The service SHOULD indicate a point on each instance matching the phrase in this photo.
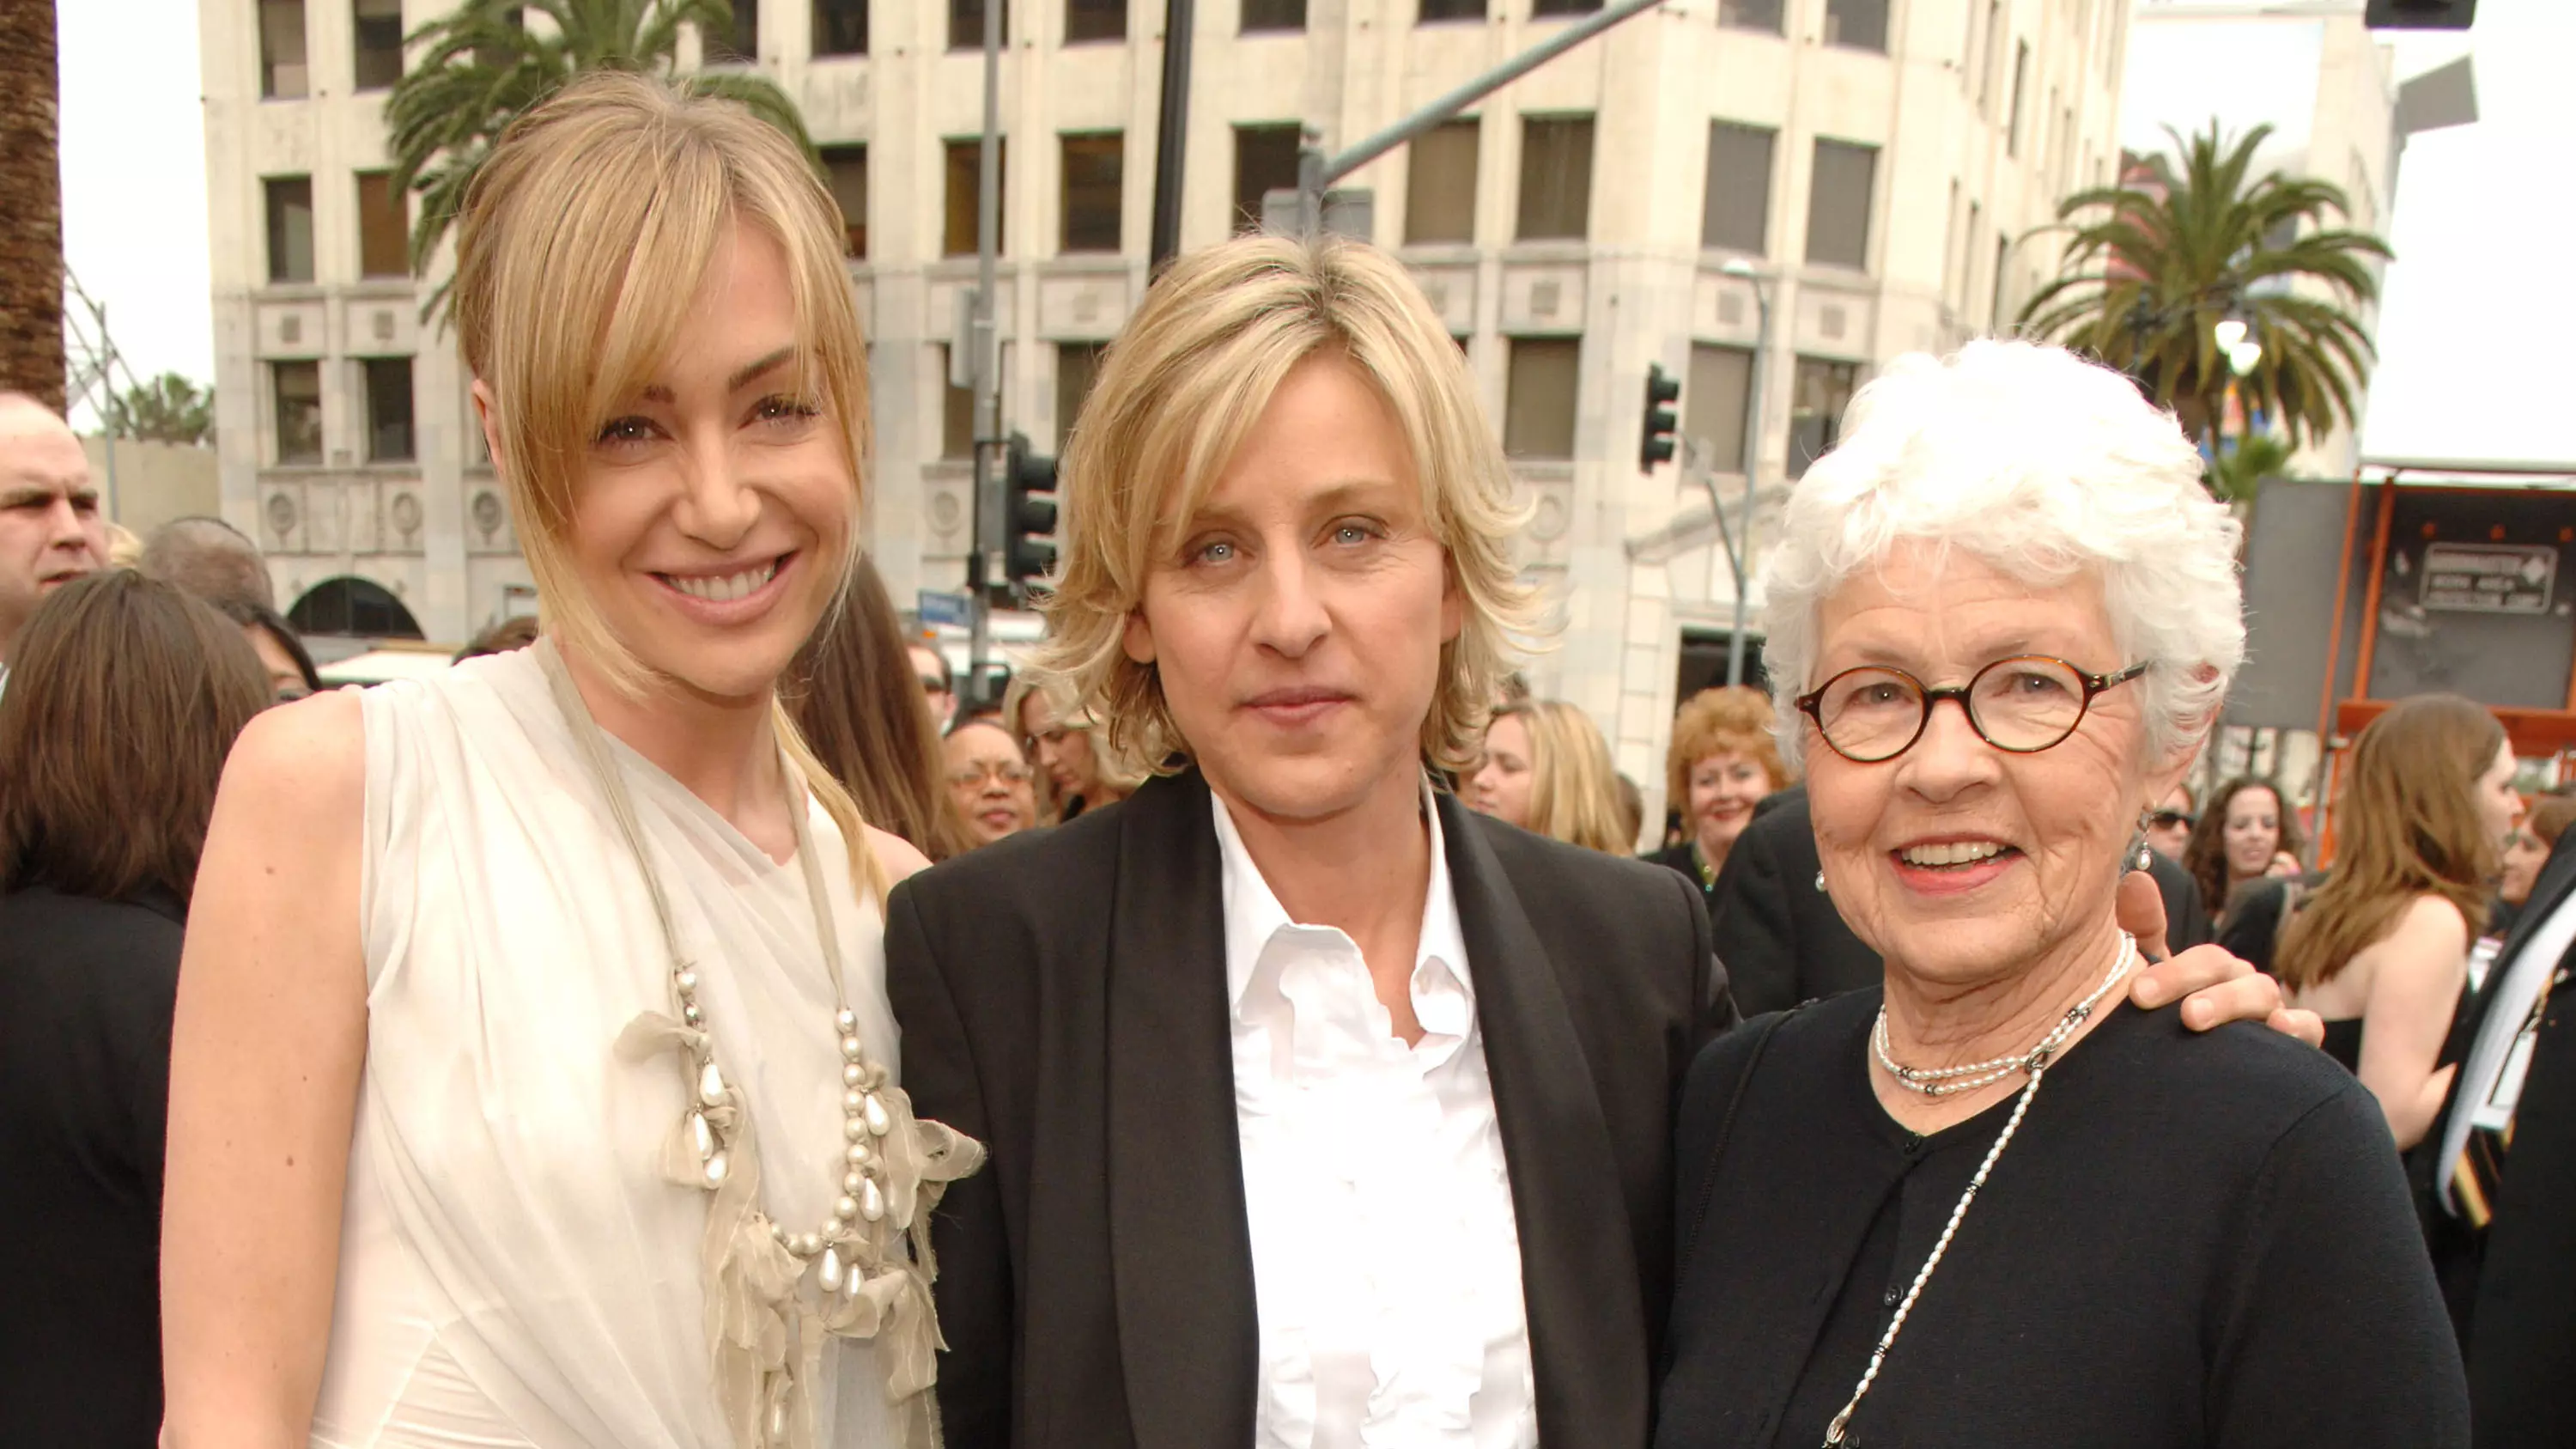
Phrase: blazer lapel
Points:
(1180, 1244)
(1578, 1269)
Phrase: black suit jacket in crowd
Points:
(1063, 999)
(1782, 940)
(2520, 1282)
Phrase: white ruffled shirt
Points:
(1386, 1259)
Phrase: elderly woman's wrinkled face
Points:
(1959, 862)
(2253, 831)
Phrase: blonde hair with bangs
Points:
(581, 247)
(1574, 785)
(1178, 390)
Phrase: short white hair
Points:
(2047, 467)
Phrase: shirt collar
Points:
(1253, 915)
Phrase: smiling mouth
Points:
(725, 588)
(1953, 854)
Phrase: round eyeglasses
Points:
(2024, 704)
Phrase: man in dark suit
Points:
(1317, 1108)
(1782, 940)
(2502, 1172)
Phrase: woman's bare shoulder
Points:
(308, 754)
(898, 855)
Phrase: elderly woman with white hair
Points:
(1994, 1202)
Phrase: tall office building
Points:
(1873, 168)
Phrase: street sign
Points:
(954, 610)
(2489, 578)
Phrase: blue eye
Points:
(626, 430)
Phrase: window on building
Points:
(1259, 15)
(1950, 247)
(1736, 211)
(1995, 307)
(1968, 256)
(1540, 8)
(1440, 184)
(1749, 15)
(1094, 167)
(1432, 12)
(1556, 178)
(1265, 160)
(384, 227)
(1714, 399)
(1538, 403)
(840, 27)
(290, 228)
(846, 169)
(966, 24)
(739, 45)
(283, 74)
(2021, 76)
(1094, 20)
(1816, 402)
(376, 35)
(388, 409)
(965, 194)
(1994, 33)
(1857, 24)
(297, 389)
(1077, 367)
(1838, 204)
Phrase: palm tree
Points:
(482, 66)
(31, 205)
(2158, 261)
(168, 409)
(2240, 468)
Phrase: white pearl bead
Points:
(871, 1201)
(716, 1169)
(854, 1102)
(852, 1047)
(854, 1129)
(711, 1086)
(847, 1021)
(878, 1120)
(848, 1207)
(851, 1075)
(702, 1135)
(830, 1275)
(850, 1182)
(859, 1154)
(688, 983)
(808, 1244)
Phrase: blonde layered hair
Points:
(581, 248)
(1179, 389)
(1574, 786)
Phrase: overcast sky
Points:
(2474, 336)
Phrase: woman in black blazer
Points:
(124, 695)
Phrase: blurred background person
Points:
(1547, 770)
(2524, 854)
(1077, 778)
(124, 696)
(2246, 834)
(282, 655)
(1723, 762)
(518, 631)
(938, 682)
(51, 531)
(855, 697)
(2169, 825)
(1632, 807)
(124, 547)
(2381, 950)
(989, 781)
(1022, 709)
(210, 559)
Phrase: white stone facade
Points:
(1979, 114)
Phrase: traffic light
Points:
(1028, 513)
(1662, 391)
(2418, 14)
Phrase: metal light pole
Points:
(1741, 554)
(984, 565)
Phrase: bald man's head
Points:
(212, 560)
(51, 531)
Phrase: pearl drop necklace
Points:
(1943, 1081)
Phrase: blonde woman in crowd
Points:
(1723, 762)
(532, 1076)
(1547, 769)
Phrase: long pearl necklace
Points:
(1945, 1081)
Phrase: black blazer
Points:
(85, 993)
(1782, 940)
(2518, 1282)
(1062, 997)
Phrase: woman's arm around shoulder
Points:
(2416, 974)
(267, 1041)
(2324, 1321)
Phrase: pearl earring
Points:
(2146, 858)
(1820, 882)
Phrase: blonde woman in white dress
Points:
(532, 1081)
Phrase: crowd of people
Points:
(696, 1022)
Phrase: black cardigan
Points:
(86, 988)
(2191, 1241)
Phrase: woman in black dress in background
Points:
(124, 695)
(2006, 613)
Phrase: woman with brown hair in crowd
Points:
(1547, 770)
(124, 693)
(1724, 759)
(2382, 949)
(2246, 835)
(860, 705)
